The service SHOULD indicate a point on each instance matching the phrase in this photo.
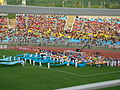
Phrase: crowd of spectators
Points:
(95, 31)
(4, 28)
(39, 26)
(99, 30)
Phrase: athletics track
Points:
(106, 53)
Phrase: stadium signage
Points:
(3, 46)
(24, 48)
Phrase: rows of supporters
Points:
(53, 26)
(97, 28)
(4, 28)
(39, 25)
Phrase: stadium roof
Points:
(58, 10)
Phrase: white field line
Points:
(64, 72)
(101, 73)
(80, 74)
(70, 73)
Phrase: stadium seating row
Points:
(51, 28)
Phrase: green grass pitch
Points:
(31, 77)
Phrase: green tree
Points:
(115, 7)
(78, 4)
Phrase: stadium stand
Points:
(52, 29)
(4, 32)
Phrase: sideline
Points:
(94, 86)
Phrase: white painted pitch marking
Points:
(80, 74)
(101, 73)
(64, 72)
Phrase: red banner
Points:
(118, 26)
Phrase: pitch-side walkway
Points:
(94, 86)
